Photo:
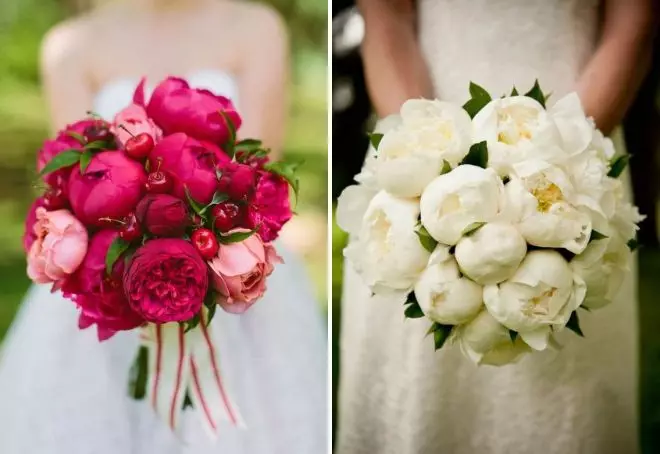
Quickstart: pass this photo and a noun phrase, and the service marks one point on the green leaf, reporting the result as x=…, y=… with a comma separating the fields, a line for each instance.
x=192, y=323
x=79, y=137
x=513, y=335
x=97, y=145
x=574, y=324
x=286, y=170
x=237, y=237
x=230, y=145
x=137, y=384
x=479, y=99
x=116, y=249
x=441, y=334
x=61, y=160
x=85, y=159
x=211, y=313
x=633, y=244
x=410, y=299
x=596, y=235
x=196, y=206
x=248, y=145
x=375, y=139
x=470, y=229
x=536, y=93
x=618, y=165
x=413, y=311
x=514, y=92
x=218, y=197
x=477, y=156
x=446, y=167
x=426, y=239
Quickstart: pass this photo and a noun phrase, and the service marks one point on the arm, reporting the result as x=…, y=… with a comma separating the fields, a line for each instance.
x=611, y=78
x=263, y=82
x=394, y=67
x=67, y=90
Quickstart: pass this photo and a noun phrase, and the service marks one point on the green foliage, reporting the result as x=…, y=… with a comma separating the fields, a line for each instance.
x=477, y=155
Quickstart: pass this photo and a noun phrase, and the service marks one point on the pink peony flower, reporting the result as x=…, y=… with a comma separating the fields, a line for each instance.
x=238, y=181
x=166, y=281
x=111, y=187
x=176, y=107
x=191, y=163
x=100, y=297
x=134, y=119
x=270, y=207
x=61, y=143
x=59, y=247
x=30, y=235
x=163, y=215
x=240, y=271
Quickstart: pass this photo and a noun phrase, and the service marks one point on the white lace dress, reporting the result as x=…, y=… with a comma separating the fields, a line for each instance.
x=63, y=392
x=398, y=396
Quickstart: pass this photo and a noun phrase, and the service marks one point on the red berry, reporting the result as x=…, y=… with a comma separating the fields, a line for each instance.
x=205, y=242
x=97, y=132
x=197, y=220
x=226, y=216
x=140, y=146
x=159, y=182
x=55, y=199
x=131, y=230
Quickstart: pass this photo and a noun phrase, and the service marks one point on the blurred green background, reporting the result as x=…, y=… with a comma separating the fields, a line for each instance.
x=24, y=125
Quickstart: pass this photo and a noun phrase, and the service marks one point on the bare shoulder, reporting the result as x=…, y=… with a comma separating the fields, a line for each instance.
x=260, y=17
x=64, y=42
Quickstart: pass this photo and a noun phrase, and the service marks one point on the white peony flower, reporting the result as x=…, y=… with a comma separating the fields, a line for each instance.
x=516, y=128
x=491, y=254
x=445, y=296
x=412, y=154
x=541, y=294
x=387, y=252
x=575, y=129
x=603, y=267
x=485, y=341
x=625, y=219
x=454, y=201
x=546, y=207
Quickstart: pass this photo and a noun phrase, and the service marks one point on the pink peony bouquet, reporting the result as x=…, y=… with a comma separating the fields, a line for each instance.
x=152, y=221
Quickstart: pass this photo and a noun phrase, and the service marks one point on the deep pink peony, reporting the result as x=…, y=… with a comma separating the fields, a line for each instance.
x=59, y=247
x=237, y=180
x=111, y=187
x=163, y=215
x=270, y=207
x=132, y=121
x=101, y=297
x=176, y=107
x=61, y=143
x=30, y=235
x=166, y=281
x=191, y=163
x=240, y=271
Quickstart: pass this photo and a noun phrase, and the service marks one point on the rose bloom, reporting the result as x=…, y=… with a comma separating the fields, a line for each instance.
x=134, y=119
x=111, y=187
x=270, y=207
x=100, y=297
x=59, y=247
x=176, y=107
x=191, y=163
x=29, y=236
x=238, y=181
x=163, y=215
x=166, y=281
x=239, y=272
x=62, y=142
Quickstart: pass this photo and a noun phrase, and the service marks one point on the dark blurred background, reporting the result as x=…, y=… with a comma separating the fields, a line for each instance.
x=352, y=118
x=24, y=125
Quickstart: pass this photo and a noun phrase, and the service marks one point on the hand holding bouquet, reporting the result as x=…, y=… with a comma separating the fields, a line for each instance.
x=151, y=222
x=497, y=220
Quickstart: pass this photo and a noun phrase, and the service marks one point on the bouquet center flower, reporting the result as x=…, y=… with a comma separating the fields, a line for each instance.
x=547, y=194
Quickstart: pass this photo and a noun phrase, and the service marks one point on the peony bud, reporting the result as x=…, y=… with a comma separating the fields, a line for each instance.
x=163, y=215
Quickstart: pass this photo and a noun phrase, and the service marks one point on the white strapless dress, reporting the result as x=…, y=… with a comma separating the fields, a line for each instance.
x=63, y=392
x=398, y=396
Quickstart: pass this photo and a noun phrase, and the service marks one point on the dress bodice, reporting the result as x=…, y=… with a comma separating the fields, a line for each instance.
x=498, y=43
x=117, y=94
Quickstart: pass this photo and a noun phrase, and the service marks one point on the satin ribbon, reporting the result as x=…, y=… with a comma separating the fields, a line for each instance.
x=182, y=363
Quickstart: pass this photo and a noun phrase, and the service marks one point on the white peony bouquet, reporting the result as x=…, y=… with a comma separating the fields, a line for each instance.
x=496, y=220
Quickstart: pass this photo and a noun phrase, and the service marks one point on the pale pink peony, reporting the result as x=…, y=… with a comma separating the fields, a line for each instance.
x=29, y=236
x=133, y=121
x=240, y=271
x=59, y=247
x=270, y=207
